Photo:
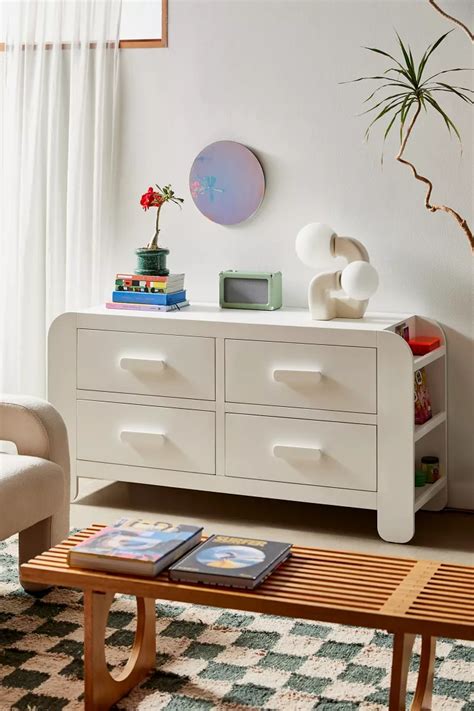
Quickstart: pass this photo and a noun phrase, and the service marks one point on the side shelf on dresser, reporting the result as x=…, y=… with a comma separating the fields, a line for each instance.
x=267, y=404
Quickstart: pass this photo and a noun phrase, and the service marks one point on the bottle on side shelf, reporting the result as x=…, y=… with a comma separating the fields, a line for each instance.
x=430, y=467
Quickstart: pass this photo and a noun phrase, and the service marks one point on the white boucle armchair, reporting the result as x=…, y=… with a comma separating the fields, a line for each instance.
x=34, y=484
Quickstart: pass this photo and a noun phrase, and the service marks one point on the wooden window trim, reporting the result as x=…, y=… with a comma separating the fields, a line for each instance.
x=139, y=43
x=151, y=43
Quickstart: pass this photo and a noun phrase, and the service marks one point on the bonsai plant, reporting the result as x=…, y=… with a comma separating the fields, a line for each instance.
x=408, y=90
x=152, y=258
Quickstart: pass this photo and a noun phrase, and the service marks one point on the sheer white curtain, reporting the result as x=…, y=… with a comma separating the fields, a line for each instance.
x=58, y=124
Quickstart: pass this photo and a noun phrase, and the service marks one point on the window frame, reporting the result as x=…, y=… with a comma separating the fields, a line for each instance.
x=151, y=43
x=138, y=43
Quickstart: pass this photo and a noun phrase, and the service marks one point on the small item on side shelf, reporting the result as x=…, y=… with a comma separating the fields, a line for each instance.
x=403, y=330
x=250, y=290
x=424, y=344
x=430, y=466
x=134, y=546
x=423, y=411
x=420, y=477
x=227, y=560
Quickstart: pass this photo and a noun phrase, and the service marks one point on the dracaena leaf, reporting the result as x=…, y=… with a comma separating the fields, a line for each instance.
x=382, y=113
x=392, y=121
x=385, y=54
x=408, y=61
x=449, y=124
x=466, y=99
x=353, y=81
x=387, y=98
x=447, y=71
x=438, y=84
x=429, y=52
x=384, y=86
x=404, y=115
x=454, y=90
x=387, y=130
x=406, y=107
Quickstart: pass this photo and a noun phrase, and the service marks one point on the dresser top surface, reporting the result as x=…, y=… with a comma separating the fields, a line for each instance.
x=286, y=316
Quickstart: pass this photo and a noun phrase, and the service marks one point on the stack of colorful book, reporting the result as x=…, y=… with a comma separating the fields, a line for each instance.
x=137, y=292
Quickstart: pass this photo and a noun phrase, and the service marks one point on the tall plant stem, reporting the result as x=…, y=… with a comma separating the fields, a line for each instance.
x=153, y=244
x=453, y=19
x=157, y=229
x=423, y=179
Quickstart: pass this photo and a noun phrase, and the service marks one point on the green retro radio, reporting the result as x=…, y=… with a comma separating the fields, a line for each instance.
x=250, y=290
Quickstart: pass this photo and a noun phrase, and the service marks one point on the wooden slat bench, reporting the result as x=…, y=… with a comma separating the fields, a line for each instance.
x=402, y=595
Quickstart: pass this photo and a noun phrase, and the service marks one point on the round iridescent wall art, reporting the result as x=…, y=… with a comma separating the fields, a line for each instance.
x=227, y=182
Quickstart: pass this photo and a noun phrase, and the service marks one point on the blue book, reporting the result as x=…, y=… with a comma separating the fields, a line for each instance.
x=131, y=297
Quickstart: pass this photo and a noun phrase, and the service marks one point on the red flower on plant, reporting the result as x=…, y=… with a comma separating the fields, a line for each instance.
x=156, y=198
x=151, y=199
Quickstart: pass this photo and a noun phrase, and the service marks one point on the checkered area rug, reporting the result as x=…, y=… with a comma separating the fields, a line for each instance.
x=207, y=658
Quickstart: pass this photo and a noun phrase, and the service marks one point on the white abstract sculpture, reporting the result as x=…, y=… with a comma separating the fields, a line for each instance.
x=336, y=293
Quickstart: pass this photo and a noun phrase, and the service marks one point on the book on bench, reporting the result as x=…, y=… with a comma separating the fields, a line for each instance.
x=135, y=546
x=231, y=561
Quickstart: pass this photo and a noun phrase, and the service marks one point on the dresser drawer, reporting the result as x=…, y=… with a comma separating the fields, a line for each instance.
x=296, y=451
x=300, y=375
x=158, y=437
x=146, y=364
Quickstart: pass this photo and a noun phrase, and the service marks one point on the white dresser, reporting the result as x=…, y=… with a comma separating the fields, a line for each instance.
x=268, y=404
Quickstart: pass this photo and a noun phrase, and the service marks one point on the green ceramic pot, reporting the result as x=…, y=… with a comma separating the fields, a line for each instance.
x=152, y=262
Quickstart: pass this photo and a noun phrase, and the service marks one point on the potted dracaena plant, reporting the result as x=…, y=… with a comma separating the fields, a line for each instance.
x=151, y=259
x=408, y=91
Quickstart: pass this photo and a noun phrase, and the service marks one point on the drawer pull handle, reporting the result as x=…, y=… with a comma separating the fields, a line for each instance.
x=297, y=377
x=310, y=454
x=135, y=437
x=148, y=364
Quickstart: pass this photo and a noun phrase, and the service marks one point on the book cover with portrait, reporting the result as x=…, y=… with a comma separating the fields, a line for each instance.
x=232, y=561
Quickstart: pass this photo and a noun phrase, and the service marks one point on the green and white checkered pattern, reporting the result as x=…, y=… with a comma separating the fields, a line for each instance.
x=207, y=658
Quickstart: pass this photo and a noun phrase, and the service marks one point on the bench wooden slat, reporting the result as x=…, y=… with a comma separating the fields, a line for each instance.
x=441, y=615
x=400, y=594
x=438, y=593
x=427, y=601
x=458, y=568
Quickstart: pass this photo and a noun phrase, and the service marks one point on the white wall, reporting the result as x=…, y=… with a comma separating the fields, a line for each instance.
x=266, y=73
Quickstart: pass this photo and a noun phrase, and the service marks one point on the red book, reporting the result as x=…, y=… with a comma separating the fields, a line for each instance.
x=424, y=344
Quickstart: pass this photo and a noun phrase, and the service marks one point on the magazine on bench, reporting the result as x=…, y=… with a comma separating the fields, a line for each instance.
x=135, y=546
x=231, y=561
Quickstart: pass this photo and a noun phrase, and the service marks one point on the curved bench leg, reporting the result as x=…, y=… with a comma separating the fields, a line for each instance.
x=401, y=656
x=424, y=686
x=101, y=689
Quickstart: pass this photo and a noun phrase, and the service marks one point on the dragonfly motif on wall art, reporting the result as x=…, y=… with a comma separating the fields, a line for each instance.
x=205, y=184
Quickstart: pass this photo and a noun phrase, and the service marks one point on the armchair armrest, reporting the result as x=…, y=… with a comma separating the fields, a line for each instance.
x=37, y=429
